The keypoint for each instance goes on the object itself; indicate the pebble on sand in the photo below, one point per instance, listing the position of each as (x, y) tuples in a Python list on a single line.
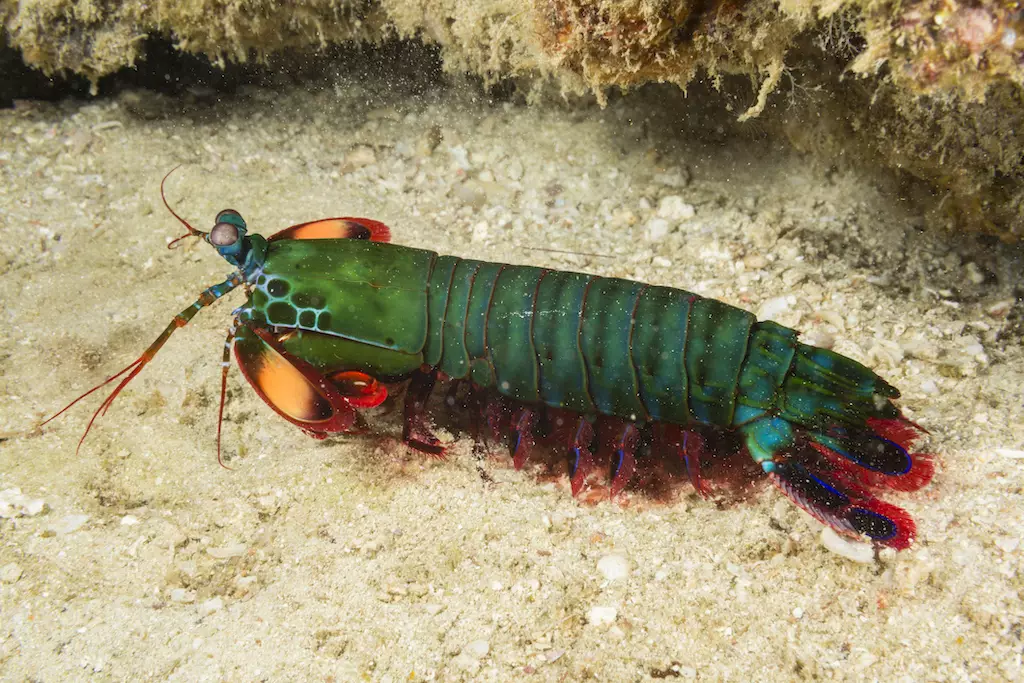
[(471, 193), (602, 616), (13, 503), (358, 158), (477, 649), (481, 231), (68, 524), (469, 659), (10, 573), (613, 567), (657, 229), (775, 306), (673, 208), (245, 584), (861, 553), (227, 551), (208, 607)]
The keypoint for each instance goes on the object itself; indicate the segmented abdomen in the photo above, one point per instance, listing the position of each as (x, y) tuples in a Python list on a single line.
[(602, 345)]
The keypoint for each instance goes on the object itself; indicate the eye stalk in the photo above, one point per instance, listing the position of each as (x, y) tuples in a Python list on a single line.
[(228, 236), (229, 228), (223, 235)]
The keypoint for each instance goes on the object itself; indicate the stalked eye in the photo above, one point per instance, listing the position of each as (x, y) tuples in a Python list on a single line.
[(223, 234), (228, 213)]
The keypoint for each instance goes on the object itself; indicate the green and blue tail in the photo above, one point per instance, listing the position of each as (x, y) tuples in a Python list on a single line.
[(829, 436)]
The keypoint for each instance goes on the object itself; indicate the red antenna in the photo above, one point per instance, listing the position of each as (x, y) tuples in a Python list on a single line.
[(192, 232)]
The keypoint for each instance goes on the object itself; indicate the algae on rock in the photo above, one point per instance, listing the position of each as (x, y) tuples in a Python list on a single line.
[(946, 79)]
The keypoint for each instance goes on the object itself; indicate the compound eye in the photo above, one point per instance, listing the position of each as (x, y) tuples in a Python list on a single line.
[(223, 234), (228, 213)]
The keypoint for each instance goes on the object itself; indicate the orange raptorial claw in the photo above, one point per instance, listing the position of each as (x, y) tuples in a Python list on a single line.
[(361, 390), (296, 390)]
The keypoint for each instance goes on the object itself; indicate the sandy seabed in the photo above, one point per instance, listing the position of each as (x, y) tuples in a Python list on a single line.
[(357, 559)]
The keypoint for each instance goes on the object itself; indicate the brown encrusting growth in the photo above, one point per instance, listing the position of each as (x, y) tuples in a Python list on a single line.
[(631, 43), (942, 45), (933, 85)]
